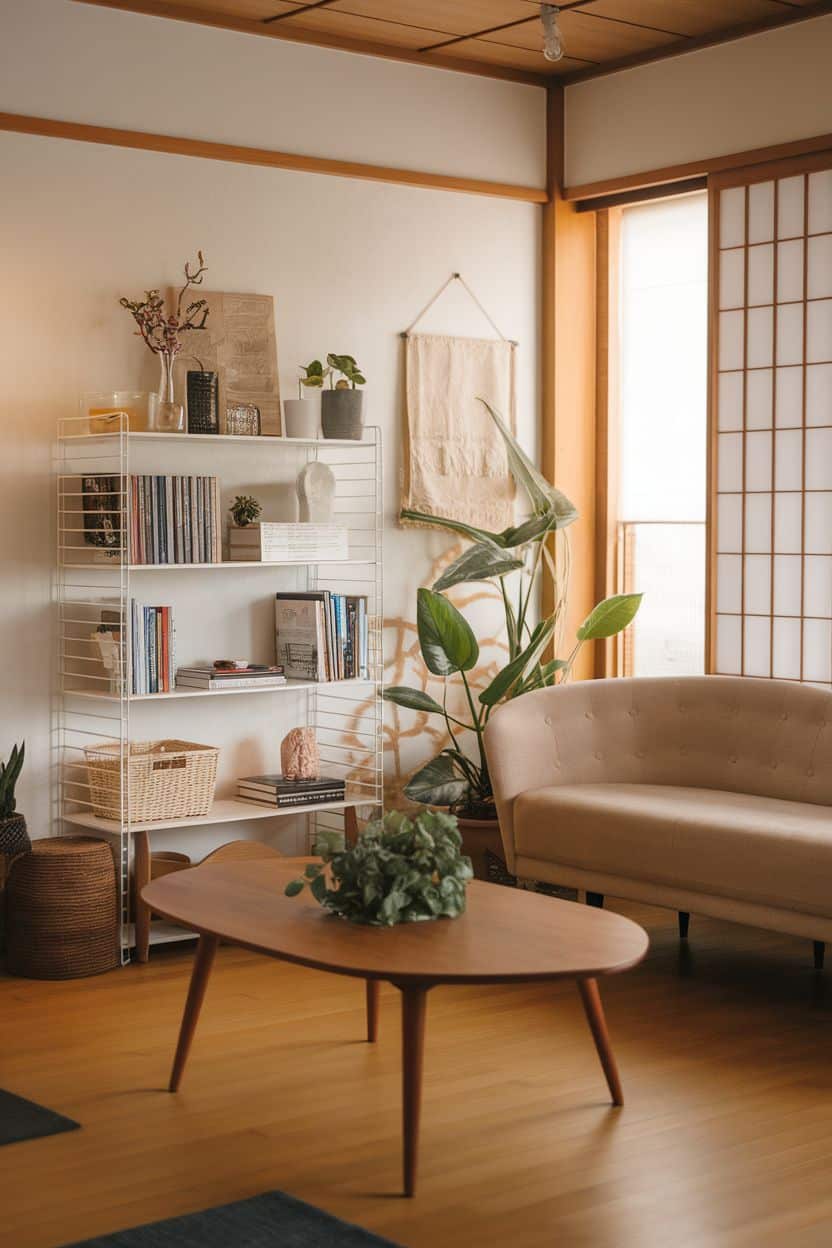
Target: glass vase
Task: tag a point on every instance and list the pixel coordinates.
(168, 416)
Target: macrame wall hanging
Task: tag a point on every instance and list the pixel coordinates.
(454, 460)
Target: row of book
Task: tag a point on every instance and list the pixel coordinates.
(275, 790)
(175, 519)
(322, 636)
(153, 648)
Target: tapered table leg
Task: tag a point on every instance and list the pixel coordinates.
(414, 1000)
(373, 988)
(141, 876)
(203, 961)
(594, 1010)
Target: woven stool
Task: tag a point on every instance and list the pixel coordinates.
(62, 910)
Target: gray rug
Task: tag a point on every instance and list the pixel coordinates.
(273, 1220)
(24, 1120)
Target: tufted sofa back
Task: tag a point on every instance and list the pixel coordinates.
(766, 737)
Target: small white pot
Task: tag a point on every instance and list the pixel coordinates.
(301, 418)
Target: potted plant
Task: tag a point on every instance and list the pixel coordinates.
(244, 510)
(513, 559)
(14, 839)
(303, 419)
(341, 414)
(400, 870)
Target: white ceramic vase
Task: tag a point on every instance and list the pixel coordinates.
(301, 418)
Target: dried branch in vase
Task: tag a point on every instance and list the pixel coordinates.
(161, 332)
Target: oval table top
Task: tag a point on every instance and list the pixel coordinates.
(505, 934)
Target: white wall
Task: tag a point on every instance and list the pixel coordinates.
(349, 263)
(765, 89)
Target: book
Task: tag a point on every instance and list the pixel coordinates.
(242, 678)
(173, 519)
(297, 800)
(288, 543)
(101, 504)
(152, 648)
(321, 635)
(275, 783)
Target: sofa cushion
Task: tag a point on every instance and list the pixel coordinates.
(757, 849)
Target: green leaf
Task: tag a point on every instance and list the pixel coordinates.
(610, 617)
(455, 526)
(293, 888)
(318, 887)
(510, 674)
(543, 496)
(315, 369)
(445, 636)
(312, 870)
(413, 699)
(478, 563)
(437, 784)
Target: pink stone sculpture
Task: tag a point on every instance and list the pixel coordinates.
(300, 758)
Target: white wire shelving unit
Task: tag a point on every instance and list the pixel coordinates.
(93, 704)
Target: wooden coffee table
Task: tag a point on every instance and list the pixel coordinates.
(506, 936)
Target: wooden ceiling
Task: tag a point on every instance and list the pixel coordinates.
(501, 38)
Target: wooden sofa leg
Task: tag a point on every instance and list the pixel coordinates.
(595, 899)
(820, 950)
(684, 924)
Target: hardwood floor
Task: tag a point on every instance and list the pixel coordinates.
(725, 1140)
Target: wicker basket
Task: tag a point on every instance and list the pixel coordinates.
(167, 780)
(62, 909)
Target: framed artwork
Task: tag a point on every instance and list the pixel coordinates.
(239, 344)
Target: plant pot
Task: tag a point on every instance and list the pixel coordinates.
(301, 418)
(14, 839)
(481, 837)
(341, 415)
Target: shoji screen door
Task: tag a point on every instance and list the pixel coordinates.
(770, 575)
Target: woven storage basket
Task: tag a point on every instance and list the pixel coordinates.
(167, 780)
(62, 910)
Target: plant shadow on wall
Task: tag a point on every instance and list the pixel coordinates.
(513, 561)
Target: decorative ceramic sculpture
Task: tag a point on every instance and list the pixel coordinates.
(299, 755)
(316, 493)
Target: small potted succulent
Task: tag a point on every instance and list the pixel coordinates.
(302, 417)
(401, 869)
(341, 405)
(244, 510)
(14, 839)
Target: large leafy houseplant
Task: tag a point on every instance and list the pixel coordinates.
(400, 870)
(512, 559)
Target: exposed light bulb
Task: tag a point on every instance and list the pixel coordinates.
(552, 36)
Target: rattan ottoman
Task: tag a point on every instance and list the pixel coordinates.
(62, 910)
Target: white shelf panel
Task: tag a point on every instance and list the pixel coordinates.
(161, 933)
(291, 686)
(224, 810)
(225, 563)
(217, 438)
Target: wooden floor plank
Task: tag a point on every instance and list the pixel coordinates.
(725, 1140)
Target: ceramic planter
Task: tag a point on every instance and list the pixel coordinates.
(479, 838)
(341, 414)
(301, 418)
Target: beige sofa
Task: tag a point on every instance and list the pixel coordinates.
(707, 794)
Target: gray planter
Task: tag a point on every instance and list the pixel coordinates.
(341, 415)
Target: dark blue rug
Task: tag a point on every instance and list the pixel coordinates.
(24, 1120)
(273, 1220)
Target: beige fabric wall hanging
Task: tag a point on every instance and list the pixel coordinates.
(454, 459)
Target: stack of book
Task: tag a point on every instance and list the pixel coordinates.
(153, 648)
(322, 636)
(229, 678)
(273, 790)
(175, 519)
(288, 543)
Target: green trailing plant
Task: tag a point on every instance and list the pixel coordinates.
(244, 510)
(400, 870)
(9, 776)
(456, 778)
(314, 375)
(351, 375)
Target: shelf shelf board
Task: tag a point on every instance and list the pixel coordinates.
(161, 933)
(224, 810)
(224, 563)
(218, 439)
(291, 686)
